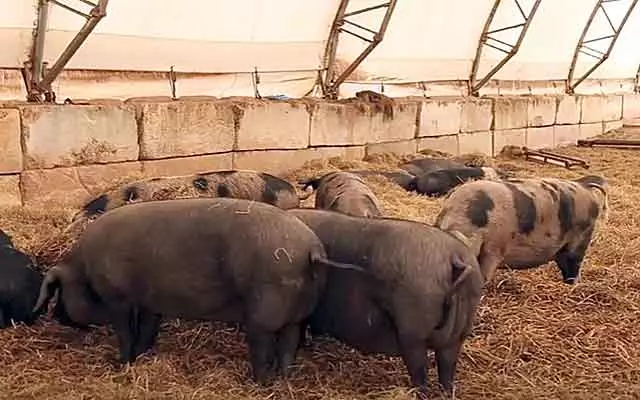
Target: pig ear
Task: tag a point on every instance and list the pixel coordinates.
(459, 272)
(50, 283)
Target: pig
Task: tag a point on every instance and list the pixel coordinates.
(20, 281)
(440, 182)
(223, 259)
(419, 290)
(401, 178)
(344, 192)
(242, 184)
(425, 165)
(525, 223)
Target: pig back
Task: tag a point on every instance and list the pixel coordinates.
(196, 257)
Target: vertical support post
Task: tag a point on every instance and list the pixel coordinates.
(332, 45)
(331, 85)
(512, 49)
(582, 47)
(37, 80)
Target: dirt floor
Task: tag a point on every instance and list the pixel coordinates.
(535, 337)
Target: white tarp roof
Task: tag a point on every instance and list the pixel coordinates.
(427, 40)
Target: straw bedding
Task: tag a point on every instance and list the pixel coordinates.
(535, 338)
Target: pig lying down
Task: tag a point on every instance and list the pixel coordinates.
(420, 290)
(19, 283)
(344, 192)
(525, 223)
(428, 164)
(401, 178)
(442, 181)
(239, 184)
(219, 259)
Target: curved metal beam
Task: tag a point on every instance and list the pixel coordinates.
(37, 80)
(331, 84)
(583, 48)
(512, 49)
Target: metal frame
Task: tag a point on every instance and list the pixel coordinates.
(330, 84)
(582, 47)
(485, 36)
(36, 76)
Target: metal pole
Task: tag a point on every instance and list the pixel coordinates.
(99, 12)
(475, 87)
(376, 40)
(570, 87)
(332, 43)
(38, 42)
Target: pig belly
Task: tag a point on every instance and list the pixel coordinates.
(349, 314)
(531, 253)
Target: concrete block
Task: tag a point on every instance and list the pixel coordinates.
(540, 138)
(95, 179)
(510, 112)
(187, 165)
(509, 137)
(440, 117)
(591, 107)
(566, 134)
(73, 186)
(568, 110)
(185, 128)
(477, 142)
(401, 147)
(10, 148)
(590, 130)
(285, 161)
(608, 126)
(611, 107)
(77, 135)
(541, 111)
(446, 144)
(477, 115)
(266, 125)
(401, 126)
(10, 191)
(631, 106)
(338, 124)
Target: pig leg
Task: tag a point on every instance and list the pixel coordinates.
(446, 361)
(570, 259)
(261, 351)
(489, 263)
(149, 325)
(3, 322)
(288, 341)
(413, 351)
(125, 324)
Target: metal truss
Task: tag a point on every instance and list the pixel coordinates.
(36, 76)
(510, 50)
(584, 48)
(331, 84)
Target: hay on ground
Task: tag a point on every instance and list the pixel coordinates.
(534, 338)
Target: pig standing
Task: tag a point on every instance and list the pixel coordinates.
(19, 284)
(420, 290)
(203, 259)
(344, 192)
(240, 184)
(525, 223)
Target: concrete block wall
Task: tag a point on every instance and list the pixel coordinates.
(65, 154)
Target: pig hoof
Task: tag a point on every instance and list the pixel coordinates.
(571, 281)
